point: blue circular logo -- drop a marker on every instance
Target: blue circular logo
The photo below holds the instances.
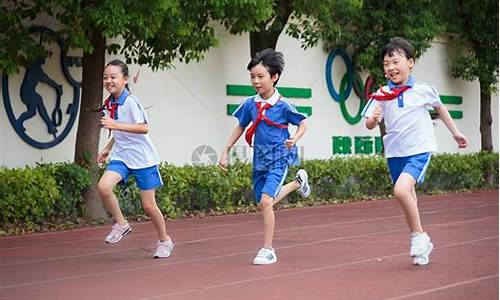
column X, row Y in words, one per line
column 64, row 108
column 349, row 81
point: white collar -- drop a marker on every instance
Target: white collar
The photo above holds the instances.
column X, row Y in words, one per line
column 274, row 98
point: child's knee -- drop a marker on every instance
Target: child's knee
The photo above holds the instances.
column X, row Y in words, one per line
column 149, row 207
column 265, row 203
column 401, row 191
column 104, row 188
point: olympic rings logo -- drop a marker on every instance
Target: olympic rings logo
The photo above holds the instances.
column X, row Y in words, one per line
column 349, row 81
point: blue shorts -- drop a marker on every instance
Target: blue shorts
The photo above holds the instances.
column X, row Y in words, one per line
column 415, row 165
column 146, row 178
column 268, row 182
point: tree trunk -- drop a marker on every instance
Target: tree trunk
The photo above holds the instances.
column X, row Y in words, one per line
column 87, row 138
column 267, row 36
column 485, row 129
column 486, row 120
column 262, row 40
column 381, row 126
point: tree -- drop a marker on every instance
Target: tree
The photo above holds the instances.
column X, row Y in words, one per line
column 473, row 36
column 365, row 30
column 152, row 33
column 267, row 32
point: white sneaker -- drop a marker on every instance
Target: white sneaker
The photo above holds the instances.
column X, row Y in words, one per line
column 304, row 189
column 117, row 232
column 423, row 259
column 164, row 249
column 265, row 256
column 420, row 248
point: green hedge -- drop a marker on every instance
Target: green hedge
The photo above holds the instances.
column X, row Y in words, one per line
column 32, row 195
column 188, row 189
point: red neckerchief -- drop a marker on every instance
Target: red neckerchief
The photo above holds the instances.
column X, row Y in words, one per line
column 261, row 107
column 110, row 107
column 395, row 92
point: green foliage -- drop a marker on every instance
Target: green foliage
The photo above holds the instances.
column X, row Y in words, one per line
column 26, row 195
column 18, row 47
column 190, row 189
column 473, row 28
column 71, row 180
column 459, row 172
column 32, row 195
column 154, row 32
column 364, row 28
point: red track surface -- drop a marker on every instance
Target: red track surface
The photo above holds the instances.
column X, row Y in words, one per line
column 350, row 251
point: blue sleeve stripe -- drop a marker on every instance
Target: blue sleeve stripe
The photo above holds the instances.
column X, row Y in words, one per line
column 366, row 107
column 241, row 105
column 292, row 107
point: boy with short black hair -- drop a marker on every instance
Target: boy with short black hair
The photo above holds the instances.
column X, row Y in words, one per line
column 274, row 149
column 409, row 140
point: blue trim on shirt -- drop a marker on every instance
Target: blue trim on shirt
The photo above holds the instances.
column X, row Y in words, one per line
column 392, row 85
column 121, row 98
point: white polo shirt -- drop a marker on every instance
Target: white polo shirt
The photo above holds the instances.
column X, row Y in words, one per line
column 409, row 129
column 135, row 150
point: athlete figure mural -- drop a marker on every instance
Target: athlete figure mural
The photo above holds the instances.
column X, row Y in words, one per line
column 34, row 102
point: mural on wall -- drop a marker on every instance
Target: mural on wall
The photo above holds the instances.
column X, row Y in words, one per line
column 59, row 119
column 349, row 81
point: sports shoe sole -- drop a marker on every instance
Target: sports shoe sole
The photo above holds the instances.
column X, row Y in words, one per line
column 306, row 179
column 123, row 234
column 264, row 262
column 423, row 259
column 160, row 257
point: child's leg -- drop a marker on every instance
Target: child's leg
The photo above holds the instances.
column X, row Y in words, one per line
column 404, row 191
column 286, row 189
column 414, row 194
column 152, row 210
column 266, row 206
column 105, row 188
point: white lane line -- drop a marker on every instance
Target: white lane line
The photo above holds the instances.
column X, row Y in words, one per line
column 240, row 236
column 240, row 282
column 157, row 265
column 445, row 287
column 203, row 227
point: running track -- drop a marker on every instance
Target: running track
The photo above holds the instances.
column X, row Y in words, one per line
column 349, row 251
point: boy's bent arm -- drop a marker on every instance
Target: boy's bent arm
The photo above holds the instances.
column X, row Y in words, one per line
column 233, row 138
column 300, row 131
column 298, row 134
column 448, row 121
column 371, row 122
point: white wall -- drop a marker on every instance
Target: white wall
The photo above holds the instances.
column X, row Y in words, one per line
column 187, row 105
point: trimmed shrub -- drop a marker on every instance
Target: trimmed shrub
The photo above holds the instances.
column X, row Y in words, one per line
column 189, row 189
column 31, row 195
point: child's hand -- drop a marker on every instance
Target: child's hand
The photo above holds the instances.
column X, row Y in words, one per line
column 289, row 143
column 108, row 123
column 103, row 156
column 223, row 161
column 377, row 112
column 461, row 140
